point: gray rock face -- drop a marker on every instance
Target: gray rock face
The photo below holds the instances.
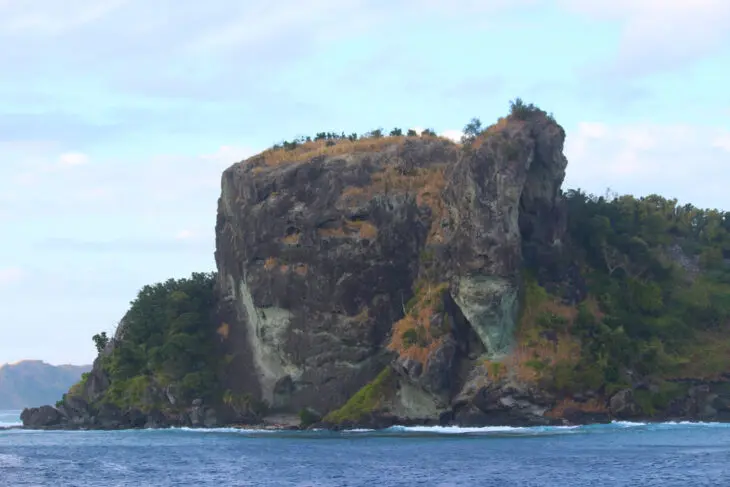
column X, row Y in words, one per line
column 318, row 255
column 317, row 258
column 42, row 417
column 503, row 401
column 623, row 406
column 506, row 188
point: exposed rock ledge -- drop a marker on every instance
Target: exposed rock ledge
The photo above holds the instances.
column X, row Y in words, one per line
column 396, row 257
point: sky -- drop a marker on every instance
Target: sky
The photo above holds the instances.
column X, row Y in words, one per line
column 117, row 118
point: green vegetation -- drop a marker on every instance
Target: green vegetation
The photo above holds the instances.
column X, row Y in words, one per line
column 100, row 341
column 168, row 340
column 367, row 400
column 658, row 278
column 245, row 404
column 521, row 110
column 472, row 130
column 307, row 417
column 331, row 138
column 77, row 388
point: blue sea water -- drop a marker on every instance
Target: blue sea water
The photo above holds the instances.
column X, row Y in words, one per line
column 619, row 454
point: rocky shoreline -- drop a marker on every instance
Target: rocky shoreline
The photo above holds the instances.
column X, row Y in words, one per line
column 376, row 425
column 410, row 280
column 703, row 403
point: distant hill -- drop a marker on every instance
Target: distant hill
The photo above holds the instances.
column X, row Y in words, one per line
column 33, row 383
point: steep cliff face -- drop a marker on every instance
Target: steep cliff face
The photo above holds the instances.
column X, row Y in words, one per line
column 329, row 259
column 397, row 279
column 317, row 258
column 510, row 180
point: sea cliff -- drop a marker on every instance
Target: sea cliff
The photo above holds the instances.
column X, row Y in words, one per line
column 383, row 279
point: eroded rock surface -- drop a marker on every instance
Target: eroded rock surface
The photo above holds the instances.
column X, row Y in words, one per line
column 319, row 255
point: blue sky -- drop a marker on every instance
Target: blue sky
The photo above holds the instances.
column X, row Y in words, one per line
column 118, row 116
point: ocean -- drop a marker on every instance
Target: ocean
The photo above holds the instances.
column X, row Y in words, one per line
column 618, row 454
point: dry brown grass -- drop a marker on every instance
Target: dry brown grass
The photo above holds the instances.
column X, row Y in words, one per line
column 426, row 184
column 419, row 317
column 349, row 228
column 309, row 150
column 354, row 195
column 590, row 406
column 223, row 331
column 337, row 232
column 495, row 370
column 494, row 129
column 301, row 269
column 534, row 348
column 362, row 316
column 292, row 239
column 520, row 362
column 271, row 263
column 365, row 229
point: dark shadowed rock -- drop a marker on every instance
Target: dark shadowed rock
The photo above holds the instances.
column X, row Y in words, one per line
column 318, row 255
column 317, row 258
column 110, row 417
column 401, row 254
column 42, row 417
column 622, row 405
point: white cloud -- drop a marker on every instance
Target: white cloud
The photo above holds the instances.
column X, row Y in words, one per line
column 671, row 160
column 660, row 34
column 227, row 155
column 454, row 135
column 73, row 159
column 185, row 235
column 166, row 184
column 10, row 275
column 52, row 18
column 722, row 142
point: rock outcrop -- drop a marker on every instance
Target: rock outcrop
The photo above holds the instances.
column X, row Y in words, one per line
column 318, row 255
column 380, row 281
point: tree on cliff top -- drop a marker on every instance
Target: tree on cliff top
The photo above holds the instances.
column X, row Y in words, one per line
column 472, row 130
column 521, row 110
column 100, row 341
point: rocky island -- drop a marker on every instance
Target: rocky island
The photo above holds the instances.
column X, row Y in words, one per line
column 366, row 281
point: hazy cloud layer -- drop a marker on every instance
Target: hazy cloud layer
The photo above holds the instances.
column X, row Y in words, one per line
column 117, row 118
column 684, row 162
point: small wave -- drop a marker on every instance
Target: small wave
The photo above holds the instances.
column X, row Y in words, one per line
column 484, row 430
column 614, row 426
column 10, row 418
column 10, row 460
column 221, row 430
column 455, row 430
column 115, row 467
column 628, row 424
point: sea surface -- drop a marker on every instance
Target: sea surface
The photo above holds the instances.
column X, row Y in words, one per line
column 619, row 454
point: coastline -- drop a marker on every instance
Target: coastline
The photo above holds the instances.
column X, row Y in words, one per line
column 380, row 426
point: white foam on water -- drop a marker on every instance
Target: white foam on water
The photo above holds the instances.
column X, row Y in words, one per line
column 628, row 424
column 10, row 418
column 222, row 430
column 456, row 430
column 10, row 460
